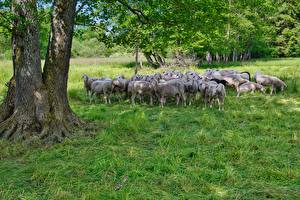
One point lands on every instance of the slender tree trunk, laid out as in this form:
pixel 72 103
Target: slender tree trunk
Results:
pixel 40 104
pixel 136 58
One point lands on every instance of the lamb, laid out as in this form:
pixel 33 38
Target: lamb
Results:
pixel 215 92
pixel 140 88
pixel 172 88
pixel 250 86
pixel 272 81
pixel 102 87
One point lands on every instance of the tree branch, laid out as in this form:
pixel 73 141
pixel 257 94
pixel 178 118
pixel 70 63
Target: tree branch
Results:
pixel 141 16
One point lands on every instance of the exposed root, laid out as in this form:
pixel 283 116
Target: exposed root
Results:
pixel 56 131
pixel 14 129
pixel 52 132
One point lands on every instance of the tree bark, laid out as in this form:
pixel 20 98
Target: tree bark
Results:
pixel 27 73
pixel 37 104
pixel 150 60
pixel 60 118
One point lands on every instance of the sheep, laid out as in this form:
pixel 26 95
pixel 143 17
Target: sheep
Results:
pixel 250 86
pixel 203 88
pixel 120 85
pixel 215 92
pixel 235 80
pixel 245 75
pixel 136 77
pixel 224 82
pixel 157 76
pixel 191 75
pixel 140 88
pixel 169 75
pixel 218 74
pixel 191 89
pixel 88 83
pixel 102 87
pixel 172 88
pixel 272 81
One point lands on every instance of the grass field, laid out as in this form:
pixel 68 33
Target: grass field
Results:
pixel 249 151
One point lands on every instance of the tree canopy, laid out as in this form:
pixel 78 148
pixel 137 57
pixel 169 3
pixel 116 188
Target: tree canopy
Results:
pixel 223 30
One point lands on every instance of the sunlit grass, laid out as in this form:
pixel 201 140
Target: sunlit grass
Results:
pixel 249 151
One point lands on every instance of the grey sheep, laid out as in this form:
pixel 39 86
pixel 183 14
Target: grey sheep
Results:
pixel 172 88
pixel 235 80
pixel 140 88
pixel 272 81
pixel 119 86
pixel 191 89
pixel 250 87
pixel 102 87
pixel 87 81
pixel 215 92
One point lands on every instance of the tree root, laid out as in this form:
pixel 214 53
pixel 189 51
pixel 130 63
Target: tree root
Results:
pixel 14 129
pixel 54 131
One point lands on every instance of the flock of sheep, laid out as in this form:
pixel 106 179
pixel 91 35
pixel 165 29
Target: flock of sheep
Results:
pixel 184 87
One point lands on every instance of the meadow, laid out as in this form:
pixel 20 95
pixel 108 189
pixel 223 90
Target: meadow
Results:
pixel 249 151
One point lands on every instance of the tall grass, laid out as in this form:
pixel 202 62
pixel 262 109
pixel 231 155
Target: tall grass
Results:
pixel 249 151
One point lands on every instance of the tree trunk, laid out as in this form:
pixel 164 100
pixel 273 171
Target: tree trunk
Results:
pixel 150 60
pixel 136 59
pixel 40 104
pixel 27 72
pixel 179 59
pixel 60 117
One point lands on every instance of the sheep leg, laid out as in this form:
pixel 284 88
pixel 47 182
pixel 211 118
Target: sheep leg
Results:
pixel 210 102
pixel 236 87
pixel 151 100
pixel 105 98
pixel 161 102
pixel 222 102
pixel 108 96
pixel 133 98
pixel 177 99
pixel 219 104
pixel 183 99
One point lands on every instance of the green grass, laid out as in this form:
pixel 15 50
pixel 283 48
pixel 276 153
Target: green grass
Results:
pixel 249 151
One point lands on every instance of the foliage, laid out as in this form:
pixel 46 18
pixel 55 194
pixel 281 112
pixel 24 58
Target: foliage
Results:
pixel 237 29
pixel 231 29
pixel 250 151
